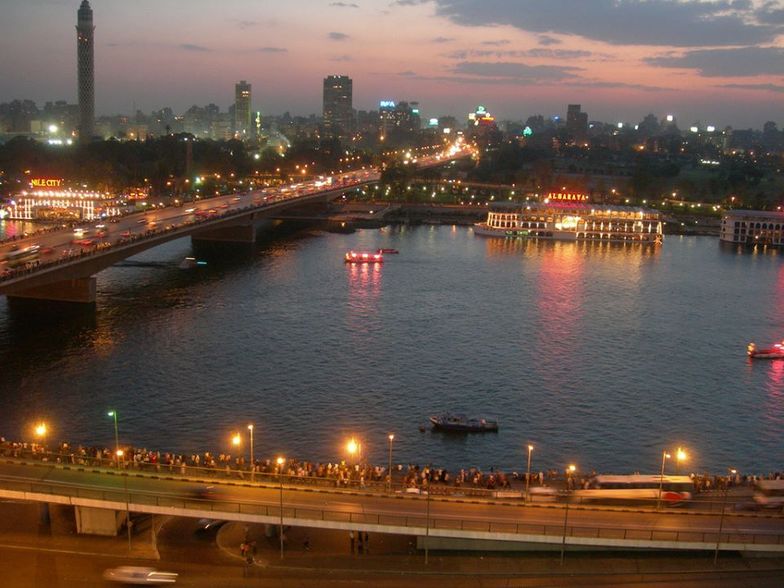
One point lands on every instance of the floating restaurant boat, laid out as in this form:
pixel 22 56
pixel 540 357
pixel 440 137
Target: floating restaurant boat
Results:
pixel 570 217
pixel 775 352
pixel 363 257
pixel 459 423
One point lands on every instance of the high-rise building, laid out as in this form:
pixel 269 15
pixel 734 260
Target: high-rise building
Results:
pixel 242 123
pixel 577 123
pixel 338 110
pixel 85 55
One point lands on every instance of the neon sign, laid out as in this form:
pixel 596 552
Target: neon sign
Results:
pixel 567 197
pixel 45 183
pixel 386 104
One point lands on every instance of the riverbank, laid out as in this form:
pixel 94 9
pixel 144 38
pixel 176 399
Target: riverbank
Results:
pixel 371 214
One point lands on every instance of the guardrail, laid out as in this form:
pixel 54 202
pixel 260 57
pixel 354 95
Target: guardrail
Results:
pixel 417 524
pixel 380 487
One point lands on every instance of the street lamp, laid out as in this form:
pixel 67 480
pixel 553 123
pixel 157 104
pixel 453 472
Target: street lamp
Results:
pixel 252 463
pixel 680 455
pixel 113 414
pixel 665 456
pixel 391 438
pixel 528 473
pixel 40 432
pixel 571 469
pixel 236 440
pixel 280 462
pixel 354 448
pixel 721 518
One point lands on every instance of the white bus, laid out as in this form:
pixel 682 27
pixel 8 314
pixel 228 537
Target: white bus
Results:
pixel 674 489
pixel 769 493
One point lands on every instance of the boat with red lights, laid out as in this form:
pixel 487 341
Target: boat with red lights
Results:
pixel 775 352
pixel 364 257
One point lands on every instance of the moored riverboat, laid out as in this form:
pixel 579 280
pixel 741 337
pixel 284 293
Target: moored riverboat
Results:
pixel 572 221
pixel 774 352
pixel 459 423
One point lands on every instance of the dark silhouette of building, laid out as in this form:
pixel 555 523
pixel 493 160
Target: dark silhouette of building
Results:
pixel 577 123
pixel 85 55
pixel 338 109
pixel 242 117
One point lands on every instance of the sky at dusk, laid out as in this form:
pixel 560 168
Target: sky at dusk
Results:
pixel 715 62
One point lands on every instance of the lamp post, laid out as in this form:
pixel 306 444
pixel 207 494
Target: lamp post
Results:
pixel 680 455
pixel 252 463
pixel 528 473
pixel 113 414
pixel 721 518
pixel 280 462
pixel 40 432
pixel 391 439
pixel 427 522
pixel 665 455
pixel 571 469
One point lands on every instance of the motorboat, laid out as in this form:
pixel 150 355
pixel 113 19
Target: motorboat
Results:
pixel 390 251
pixel 459 423
pixel 363 257
pixel 775 352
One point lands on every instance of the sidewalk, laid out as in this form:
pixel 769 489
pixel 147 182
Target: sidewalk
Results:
pixel 330 551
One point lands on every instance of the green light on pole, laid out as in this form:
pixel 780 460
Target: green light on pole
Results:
pixel 113 414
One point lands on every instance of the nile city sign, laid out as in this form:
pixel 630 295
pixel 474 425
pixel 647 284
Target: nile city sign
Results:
pixel 45 183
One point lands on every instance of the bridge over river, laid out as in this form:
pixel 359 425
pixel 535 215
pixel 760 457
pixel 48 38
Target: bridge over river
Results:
pixel 62 265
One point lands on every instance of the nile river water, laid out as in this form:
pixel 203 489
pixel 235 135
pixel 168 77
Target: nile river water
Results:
pixel 599 355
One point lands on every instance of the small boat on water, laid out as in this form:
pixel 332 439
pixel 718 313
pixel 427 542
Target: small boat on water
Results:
pixel 390 251
pixel 363 257
pixel 459 423
pixel 775 352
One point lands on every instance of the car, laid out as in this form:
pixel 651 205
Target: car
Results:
pixel 139 576
pixel 208 525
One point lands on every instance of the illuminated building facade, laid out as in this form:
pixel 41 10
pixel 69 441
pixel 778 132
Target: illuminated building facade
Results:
pixel 753 227
pixel 48 200
pixel 338 109
pixel 569 217
pixel 85 56
pixel 242 121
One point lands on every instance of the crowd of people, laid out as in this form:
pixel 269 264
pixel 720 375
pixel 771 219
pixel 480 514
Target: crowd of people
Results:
pixel 335 474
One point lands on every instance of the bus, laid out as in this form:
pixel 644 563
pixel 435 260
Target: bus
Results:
pixel 22 256
pixel 769 493
pixel 674 489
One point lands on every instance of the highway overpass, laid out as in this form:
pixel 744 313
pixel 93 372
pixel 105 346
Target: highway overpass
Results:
pixel 290 501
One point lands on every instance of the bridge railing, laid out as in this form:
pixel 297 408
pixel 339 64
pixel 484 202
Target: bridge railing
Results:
pixel 347 480
pixel 417 523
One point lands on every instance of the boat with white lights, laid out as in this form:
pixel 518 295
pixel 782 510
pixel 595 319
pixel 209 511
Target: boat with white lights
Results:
pixel 363 257
pixel 775 352
pixel 570 217
pixel 458 423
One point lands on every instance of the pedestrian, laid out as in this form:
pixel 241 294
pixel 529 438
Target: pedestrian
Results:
pixel 306 543
pixel 367 543
pixel 351 539
pixel 360 544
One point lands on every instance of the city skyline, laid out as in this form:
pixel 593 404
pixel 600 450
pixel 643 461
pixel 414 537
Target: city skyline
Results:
pixel 717 62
